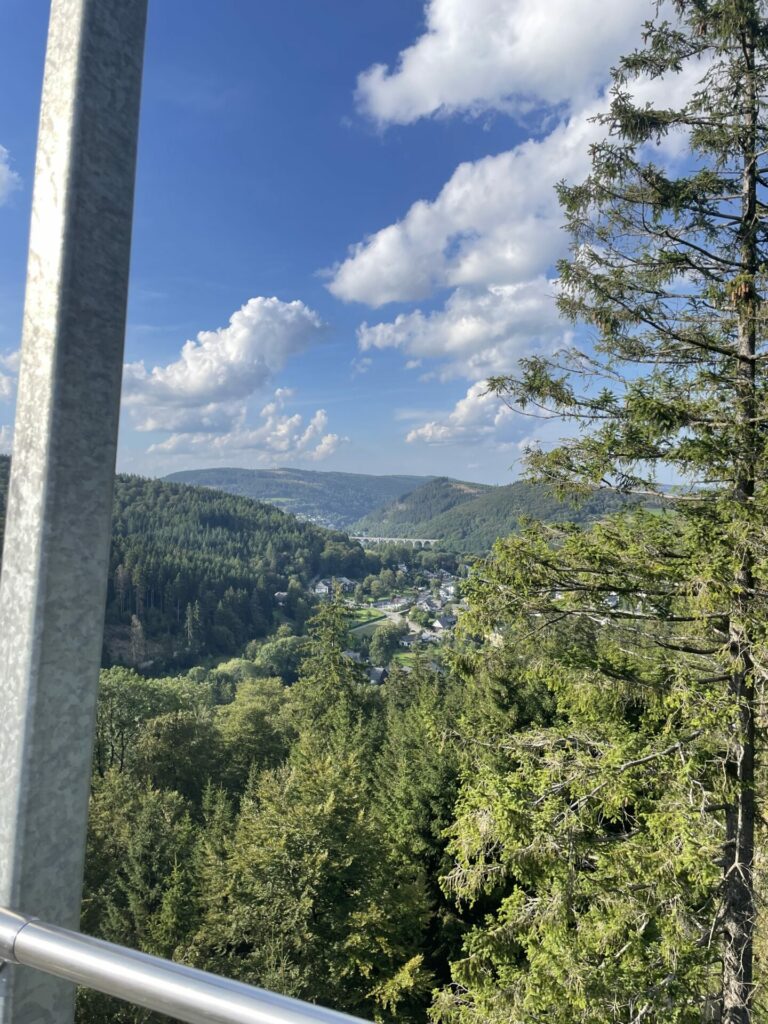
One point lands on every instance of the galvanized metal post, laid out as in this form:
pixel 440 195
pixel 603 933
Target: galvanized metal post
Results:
pixel 56 551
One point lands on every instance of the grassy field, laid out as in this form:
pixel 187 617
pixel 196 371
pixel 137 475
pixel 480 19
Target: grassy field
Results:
pixel 362 616
pixel 404 658
pixel 365 621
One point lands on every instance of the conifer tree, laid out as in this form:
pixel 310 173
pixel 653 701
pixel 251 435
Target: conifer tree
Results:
pixel 414 791
pixel 668 268
pixel 193 627
pixel 330 684
pixel 311 906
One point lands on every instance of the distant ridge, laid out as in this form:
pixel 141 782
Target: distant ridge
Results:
pixel 471 517
pixel 330 499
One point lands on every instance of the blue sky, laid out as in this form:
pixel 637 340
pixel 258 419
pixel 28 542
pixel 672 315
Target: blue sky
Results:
pixel 344 223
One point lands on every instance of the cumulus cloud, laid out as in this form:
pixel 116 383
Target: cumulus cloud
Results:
pixel 493 234
pixel 204 389
pixel 482 419
pixel 9 179
pixel 476 418
pixel 328 445
pixel 496 221
pixel 201 400
pixel 506 55
pixel 279 436
pixel 477 333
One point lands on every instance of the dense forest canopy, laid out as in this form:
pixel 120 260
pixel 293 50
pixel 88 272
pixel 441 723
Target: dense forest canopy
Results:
pixel 290 836
pixel 194 572
pixel 465 516
pixel 200 569
pixel 471 517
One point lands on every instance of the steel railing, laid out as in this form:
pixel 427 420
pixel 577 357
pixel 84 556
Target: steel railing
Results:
pixel 161 985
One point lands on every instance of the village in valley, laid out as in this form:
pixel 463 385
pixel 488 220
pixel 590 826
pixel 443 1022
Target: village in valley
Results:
pixel 396 616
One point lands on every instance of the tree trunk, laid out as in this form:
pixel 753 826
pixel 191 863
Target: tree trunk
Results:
pixel 738 884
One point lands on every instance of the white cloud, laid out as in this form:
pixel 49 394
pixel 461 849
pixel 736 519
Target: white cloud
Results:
pixel 206 388
pixel 327 446
pixel 493 234
pixel 496 221
pixel 480 419
pixel 9 180
pixel 280 436
pixel 9 361
pixel 201 400
pixel 476 418
pixel 479 332
pixel 503 55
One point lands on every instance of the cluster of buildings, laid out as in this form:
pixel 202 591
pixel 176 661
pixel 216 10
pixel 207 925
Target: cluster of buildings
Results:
pixel 437 601
pixel 324 588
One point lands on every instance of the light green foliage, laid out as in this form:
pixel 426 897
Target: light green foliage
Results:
pixel 127 701
pixel 385 642
pixel 253 730
pixel 280 657
pixel 313 911
pixel 668 271
pixel 595 829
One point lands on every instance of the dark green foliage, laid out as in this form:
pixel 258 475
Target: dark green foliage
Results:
pixel 193 572
pixel 470 517
pixel 419 506
pixel 233 825
pixel 200 568
pixel 417 785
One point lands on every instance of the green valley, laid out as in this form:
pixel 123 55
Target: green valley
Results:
pixel 470 517
pixel 335 500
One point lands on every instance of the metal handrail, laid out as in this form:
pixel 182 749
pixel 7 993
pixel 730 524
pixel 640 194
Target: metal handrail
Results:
pixel 149 981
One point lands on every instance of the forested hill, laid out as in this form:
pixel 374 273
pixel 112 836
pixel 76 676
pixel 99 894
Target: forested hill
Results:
pixel 330 499
pixel 194 572
pixel 471 517
pixel 401 518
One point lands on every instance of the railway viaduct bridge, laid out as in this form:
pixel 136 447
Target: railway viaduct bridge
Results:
pixel 415 542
